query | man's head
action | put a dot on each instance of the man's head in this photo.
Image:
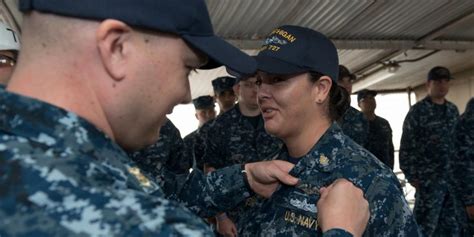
(204, 106)
(224, 92)
(246, 90)
(9, 47)
(135, 56)
(366, 101)
(345, 78)
(438, 82)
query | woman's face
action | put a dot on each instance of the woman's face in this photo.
(287, 103)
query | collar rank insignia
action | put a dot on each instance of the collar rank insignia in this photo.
(323, 160)
(144, 181)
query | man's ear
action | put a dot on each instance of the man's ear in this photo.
(113, 38)
(236, 89)
(321, 89)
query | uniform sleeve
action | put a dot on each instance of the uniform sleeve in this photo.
(199, 148)
(410, 148)
(391, 150)
(214, 153)
(462, 164)
(337, 233)
(219, 191)
(178, 160)
(390, 214)
(189, 141)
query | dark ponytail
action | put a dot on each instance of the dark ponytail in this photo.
(339, 100)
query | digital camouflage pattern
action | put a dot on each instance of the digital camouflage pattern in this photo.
(189, 141)
(426, 149)
(165, 156)
(292, 211)
(379, 140)
(195, 144)
(61, 176)
(463, 164)
(355, 126)
(231, 140)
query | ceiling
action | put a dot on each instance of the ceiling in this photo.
(368, 33)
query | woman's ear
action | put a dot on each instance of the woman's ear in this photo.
(321, 89)
(113, 39)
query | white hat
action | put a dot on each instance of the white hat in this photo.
(8, 38)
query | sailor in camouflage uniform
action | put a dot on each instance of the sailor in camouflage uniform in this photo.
(379, 139)
(224, 93)
(205, 111)
(64, 125)
(165, 156)
(353, 123)
(425, 150)
(463, 164)
(225, 97)
(299, 102)
(237, 137)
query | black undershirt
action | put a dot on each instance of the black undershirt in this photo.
(253, 120)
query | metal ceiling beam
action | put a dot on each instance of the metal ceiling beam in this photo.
(426, 42)
(445, 28)
(375, 44)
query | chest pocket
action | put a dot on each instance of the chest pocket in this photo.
(297, 209)
(434, 131)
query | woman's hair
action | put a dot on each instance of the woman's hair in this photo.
(338, 98)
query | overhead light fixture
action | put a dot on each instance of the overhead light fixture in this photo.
(392, 66)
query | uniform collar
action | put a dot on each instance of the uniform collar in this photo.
(321, 156)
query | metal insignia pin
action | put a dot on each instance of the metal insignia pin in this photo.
(323, 160)
(144, 181)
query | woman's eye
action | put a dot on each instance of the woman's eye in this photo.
(277, 80)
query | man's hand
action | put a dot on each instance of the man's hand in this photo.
(470, 212)
(264, 177)
(342, 205)
(226, 227)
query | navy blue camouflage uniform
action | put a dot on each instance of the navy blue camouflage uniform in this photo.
(195, 143)
(379, 140)
(425, 151)
(60, 175)
(231, 140)
(463, 164)
(355, 126)
(189, 141)
(164, 156)
(291, 211)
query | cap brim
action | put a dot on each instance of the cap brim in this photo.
(221, 53)
(276, 66)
